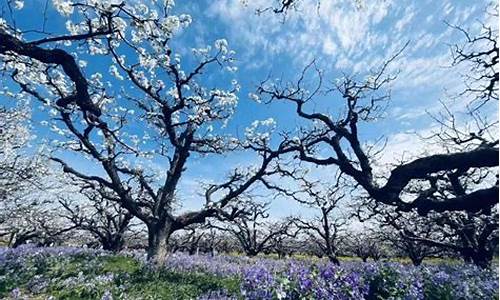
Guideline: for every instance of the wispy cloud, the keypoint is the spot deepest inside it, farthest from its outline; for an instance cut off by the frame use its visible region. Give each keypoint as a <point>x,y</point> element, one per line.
<point>347,37</point>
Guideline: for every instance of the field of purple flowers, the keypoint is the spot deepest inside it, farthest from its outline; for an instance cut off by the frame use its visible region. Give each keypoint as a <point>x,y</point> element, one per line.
<point>76,273</point>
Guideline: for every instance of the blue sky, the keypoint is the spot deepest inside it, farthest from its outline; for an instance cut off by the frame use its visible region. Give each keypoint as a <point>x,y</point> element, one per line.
<point>343,36</point>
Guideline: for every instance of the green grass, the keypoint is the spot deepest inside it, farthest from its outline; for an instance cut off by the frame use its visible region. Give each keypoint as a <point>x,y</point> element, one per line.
<point>119,264</point>
<point>85,277</point>
<point>169,285</point>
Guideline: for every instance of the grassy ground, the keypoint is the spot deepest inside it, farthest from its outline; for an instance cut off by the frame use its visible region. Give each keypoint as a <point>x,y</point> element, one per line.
<point>74,273</point>
<point>83,277</point>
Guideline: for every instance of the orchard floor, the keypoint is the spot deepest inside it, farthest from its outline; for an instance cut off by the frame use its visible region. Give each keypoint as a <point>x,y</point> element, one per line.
<point>76,273</point>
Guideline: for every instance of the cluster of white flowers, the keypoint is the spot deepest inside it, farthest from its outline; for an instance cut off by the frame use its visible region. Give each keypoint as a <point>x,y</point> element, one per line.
<point>17,65</point>
<point>119,24</point>
<point>64,7</point>
<point>142,79</point>
<point>59,79</point>
<point>96,79</point>
<point>82,63</point>
<point>221,45</point>
<point>113,70</point>
<point>97,48</point>
<point>15,133</point>
<point>200,114</point>
<point>18,4</point>
<point>236,85</point>
<point>73,28</point>
<point>260,131</point>
<point>172,92</point>
<point>254,97</point>
<point>175,117</point>
<point>142,8</point>
<point>163,60</point>
<point>53,112</point>
<point>137,36</point>
<point>170,24</point>
<point>225,99</point>
<point>147,61</point>
<point>232,69</point>
<point>185,20</point>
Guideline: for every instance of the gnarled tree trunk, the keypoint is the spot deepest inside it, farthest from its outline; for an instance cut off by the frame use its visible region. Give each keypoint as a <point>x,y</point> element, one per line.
<point>113,243</point>
<point>158,236</point>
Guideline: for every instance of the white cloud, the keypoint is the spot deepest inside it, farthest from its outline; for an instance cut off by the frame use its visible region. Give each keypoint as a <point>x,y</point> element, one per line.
<point>407,18</point>
<point>349,37</point>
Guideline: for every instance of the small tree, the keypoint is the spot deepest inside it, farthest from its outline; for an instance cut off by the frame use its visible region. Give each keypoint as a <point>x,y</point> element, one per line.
<point>473,236</point>
<point>27,185</point>
<point>324,229</point>
<point>393,232</point>
<point>252,230</point>
<point>33,217</point>
<point>364,245</point>
<point>100,216</point>
<point>283,245</point>
<point>20,172</point>
<point>188,240</point>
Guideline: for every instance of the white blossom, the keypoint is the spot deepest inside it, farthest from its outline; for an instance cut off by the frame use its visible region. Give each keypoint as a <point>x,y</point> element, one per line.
<point>260,131</point>
<point>232,69</point>
<point>147,62</point>
<point>3,23</point>
<point>18,4</point>
<point>96,79</point>
<point>72,27</point>
<point>63,7</point>
<point>170,24</point>
<point>221,45</point>
<point>254,97</point>
<point>185,20</point>
<point>113,70</point>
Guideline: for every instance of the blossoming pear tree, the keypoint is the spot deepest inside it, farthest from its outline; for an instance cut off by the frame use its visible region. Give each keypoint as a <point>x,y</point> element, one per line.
<point>118,92</point>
